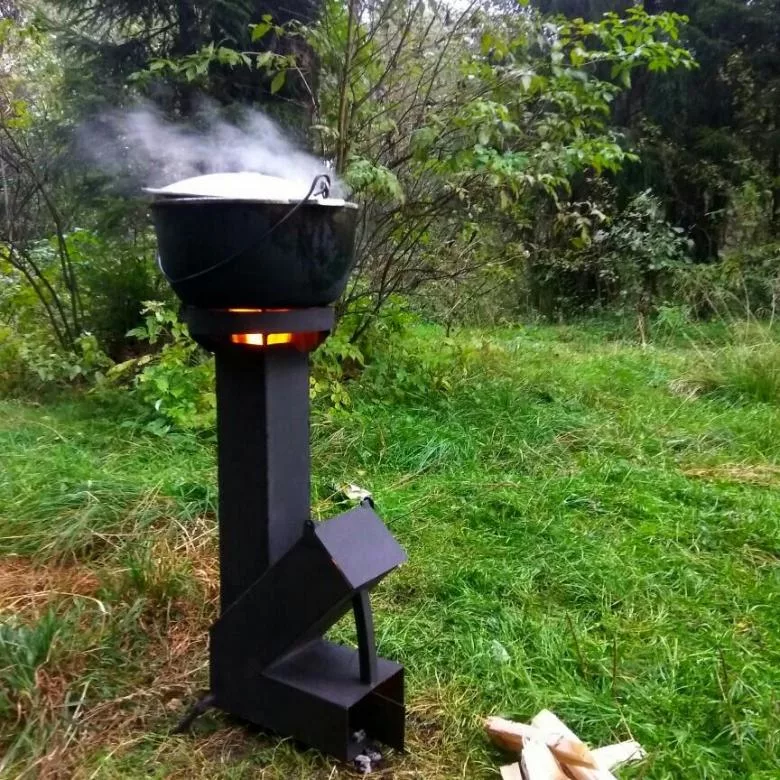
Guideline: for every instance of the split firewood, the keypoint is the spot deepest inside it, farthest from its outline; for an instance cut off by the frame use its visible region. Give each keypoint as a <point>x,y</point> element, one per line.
<point>567,748</point>
<point>511,772</point>
<point>507,734</point>
<point>611,756</point>
<point>547,722</point>
<point>539,763</point>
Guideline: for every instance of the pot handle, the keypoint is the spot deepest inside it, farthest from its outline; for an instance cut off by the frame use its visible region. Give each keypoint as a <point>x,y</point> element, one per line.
<point>322,181</point>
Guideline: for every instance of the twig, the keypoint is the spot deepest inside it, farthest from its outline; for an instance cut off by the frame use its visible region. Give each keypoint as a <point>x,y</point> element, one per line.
<point>580,657</point>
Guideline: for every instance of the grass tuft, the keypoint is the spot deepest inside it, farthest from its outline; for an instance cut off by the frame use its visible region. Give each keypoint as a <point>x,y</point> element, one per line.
<point>741,373</point>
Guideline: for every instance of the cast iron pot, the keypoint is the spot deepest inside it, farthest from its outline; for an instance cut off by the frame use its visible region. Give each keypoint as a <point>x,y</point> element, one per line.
<point>221,253</point>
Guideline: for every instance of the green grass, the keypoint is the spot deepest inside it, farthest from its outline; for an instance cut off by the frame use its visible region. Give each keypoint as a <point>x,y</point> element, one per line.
<point>592,527</point>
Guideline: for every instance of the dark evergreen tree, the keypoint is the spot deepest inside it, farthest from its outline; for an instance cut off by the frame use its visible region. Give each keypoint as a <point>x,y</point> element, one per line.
<point>584,9</point>
<point>111,40</point>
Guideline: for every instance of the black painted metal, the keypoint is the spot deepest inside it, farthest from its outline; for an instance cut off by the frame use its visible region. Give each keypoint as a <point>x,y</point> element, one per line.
<point>211,323</point>
<point>201,706</point>
<point>263,460</point>
<point>315,696</point>
<point>220,253</point>
<point>318,579</point>
<point>364,624</point>
<point>287,580</point>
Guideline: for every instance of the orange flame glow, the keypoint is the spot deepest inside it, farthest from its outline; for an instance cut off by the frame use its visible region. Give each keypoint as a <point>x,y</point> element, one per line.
<point>302,341</point>
<point>262,339</point>
<point>253,311</point>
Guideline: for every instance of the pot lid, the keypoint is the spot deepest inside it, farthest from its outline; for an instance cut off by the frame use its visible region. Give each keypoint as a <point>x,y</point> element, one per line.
<point>245,185</point>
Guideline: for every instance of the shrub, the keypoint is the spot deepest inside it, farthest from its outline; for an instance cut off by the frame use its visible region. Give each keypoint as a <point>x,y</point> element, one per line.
<point>744,284</point>
<point>346,353</point>
<point>28,364</point>
<point>176,382</point>
<point>620,263</point>
<point>116,278</point>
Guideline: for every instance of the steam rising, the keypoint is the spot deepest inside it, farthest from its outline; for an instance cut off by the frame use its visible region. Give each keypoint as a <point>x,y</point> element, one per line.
<point>144,148</point>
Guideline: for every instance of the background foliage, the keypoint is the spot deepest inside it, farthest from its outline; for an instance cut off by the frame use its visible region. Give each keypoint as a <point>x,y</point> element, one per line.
<point>553,159</point>
<point>544,159</point>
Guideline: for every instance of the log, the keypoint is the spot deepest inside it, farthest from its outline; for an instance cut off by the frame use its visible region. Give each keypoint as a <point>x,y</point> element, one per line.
<point>538,762</point>
<point>611,756</point>
<point>551,725</point>
<point>567,748</point>
<point>511,772</point>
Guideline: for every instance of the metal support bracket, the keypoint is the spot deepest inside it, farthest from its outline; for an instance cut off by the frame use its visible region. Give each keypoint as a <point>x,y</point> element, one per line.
<point>364,623</point>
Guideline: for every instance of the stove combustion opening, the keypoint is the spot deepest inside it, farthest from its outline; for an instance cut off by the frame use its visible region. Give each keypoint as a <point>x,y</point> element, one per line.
<point>305,342</point>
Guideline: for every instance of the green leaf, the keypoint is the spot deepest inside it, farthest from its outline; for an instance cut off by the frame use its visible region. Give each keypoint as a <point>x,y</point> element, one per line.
<point>259,30</point>
<point>278,82</point>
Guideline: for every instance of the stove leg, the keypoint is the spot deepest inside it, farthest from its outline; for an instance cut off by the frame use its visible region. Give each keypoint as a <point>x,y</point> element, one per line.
<point>203,705</point>
<point>364,623</point>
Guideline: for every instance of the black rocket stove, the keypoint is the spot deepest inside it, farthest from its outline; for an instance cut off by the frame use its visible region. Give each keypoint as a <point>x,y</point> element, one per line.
<point>256,267</point>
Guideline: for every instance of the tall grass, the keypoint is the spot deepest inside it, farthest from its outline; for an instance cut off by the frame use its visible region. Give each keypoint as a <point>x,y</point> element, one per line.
<point>743,373</point>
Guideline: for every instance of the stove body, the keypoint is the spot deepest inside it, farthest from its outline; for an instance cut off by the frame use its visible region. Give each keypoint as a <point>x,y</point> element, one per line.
<point>286,580</point>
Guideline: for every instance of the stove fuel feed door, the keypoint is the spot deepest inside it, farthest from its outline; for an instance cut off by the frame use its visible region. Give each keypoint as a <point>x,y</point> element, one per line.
<point>270,663</point>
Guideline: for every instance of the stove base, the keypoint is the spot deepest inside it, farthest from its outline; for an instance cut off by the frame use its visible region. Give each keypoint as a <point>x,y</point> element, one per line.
<point>315,696</point>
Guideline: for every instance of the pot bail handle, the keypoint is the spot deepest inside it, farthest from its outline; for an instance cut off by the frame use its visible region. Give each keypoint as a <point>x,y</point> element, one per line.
<point>320,186</point>
<point>325,184</point>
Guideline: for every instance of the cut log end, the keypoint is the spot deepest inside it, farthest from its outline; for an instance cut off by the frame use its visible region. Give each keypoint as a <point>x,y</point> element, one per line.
<point>550,750</point>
